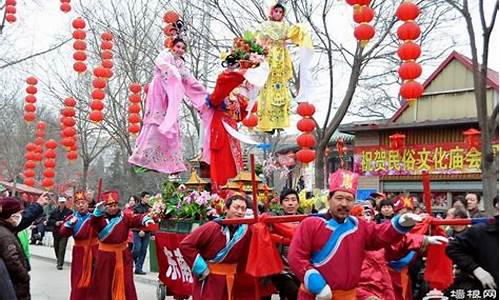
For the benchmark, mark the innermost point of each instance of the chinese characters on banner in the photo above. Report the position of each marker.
(449, 158)
(173, 269)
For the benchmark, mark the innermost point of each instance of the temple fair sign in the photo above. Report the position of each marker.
(446, 158)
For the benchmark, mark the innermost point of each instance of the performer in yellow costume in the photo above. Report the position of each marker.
(275, 98)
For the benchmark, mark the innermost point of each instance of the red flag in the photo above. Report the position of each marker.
(262, 246)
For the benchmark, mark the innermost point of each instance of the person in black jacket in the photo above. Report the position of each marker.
(56, 218)
(141, 236)
(476, 252)
(10, 248)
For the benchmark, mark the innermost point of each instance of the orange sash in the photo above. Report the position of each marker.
(87, 245)
(337, 294)
(228, 270)
(118, 284)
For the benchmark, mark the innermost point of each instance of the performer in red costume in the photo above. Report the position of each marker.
(113, 279)
(216, 254)
(85, 248)
(327, 252)
(226, 106)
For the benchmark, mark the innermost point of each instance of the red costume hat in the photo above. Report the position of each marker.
(110, 197)
(79, 196)
(403, 201)
(345, 181)
(9, 206)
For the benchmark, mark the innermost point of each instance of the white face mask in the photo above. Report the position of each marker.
(15, 219)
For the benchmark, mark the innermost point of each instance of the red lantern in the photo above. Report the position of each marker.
(47, 183)
(99, 83)
(96, 116)
(10, 2)
(98, 94)
(41, 125)
(69, 131)
(29, 117)
(306, 140)
(409, 51)
(411, 90)
(106, 36)
(10, 9)
(79, 67)
(69, 102)
(78, 23)
(106, 45)
(134, 128)
(79, 34)
(108, 64)
(68, 112)
(251, 121)
(364, 32)
(305, 155)
(79, 45)
(97, 105)
(29, 181)
(30, 147)
(30, 164)
(306, 125)
(40, 133)
(100, 72)
(410, 70)
(107, 55)
(49, 173)
(29, 173)
(30, 108)
(51, 144)
(50, 153)
(79, 56)
(472, 137)
(50, 163)
(10, 18)
(407, 11)
(65, 7)
(68, 122)
(305, 109)
(30, 99)
(135, 87)
(72, 155)
(30, 156)
(134, 98)
(31, 80)
(68, 142)
(408, 31)
(134, 108)
(31, 89)
(170, 17)
(364, 14)
(397, 141)
(134, 118)
(108, 73)
(38, 157)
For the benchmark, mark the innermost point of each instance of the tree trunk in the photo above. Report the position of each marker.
(319, 166)
(85, 175)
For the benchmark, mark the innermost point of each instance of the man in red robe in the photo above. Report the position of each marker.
(85, 248)
(113, 279)
(327, 252)
(216, 254)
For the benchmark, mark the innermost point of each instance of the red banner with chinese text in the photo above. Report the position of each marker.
(445, 158)
(174, 272)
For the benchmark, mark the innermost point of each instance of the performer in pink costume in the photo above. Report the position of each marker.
(158, 146)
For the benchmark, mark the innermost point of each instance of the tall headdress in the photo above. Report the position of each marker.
(345, 181)
(174, 28)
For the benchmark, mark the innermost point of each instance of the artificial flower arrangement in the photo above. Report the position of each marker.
(245, 51)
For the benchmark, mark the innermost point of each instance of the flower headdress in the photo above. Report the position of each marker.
(245, 49)
(174, 28)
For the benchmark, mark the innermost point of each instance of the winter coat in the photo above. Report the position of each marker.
(30, 214)
(15, 261)
(6, 288)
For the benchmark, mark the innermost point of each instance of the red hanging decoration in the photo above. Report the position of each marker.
(306, 140)
(409, 31)
(411, 90)
(30, 99)
(10, 11)
(251, 121)
(65, 7)
(134, 108)
(397, 141)
(409, 51)
(407, 11)
(50, 163)
(305, 155)
(306, 125)
(362, 15)
(79, 44)
(410, 70)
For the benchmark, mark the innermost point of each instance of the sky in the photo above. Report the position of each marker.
(42, 23)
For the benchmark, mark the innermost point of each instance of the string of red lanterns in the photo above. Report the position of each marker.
(68, 129)
(409, 51)
(362, 15)
(101, 73)
(34, 155)
(30, 99)
(134, 109)
(50, 164)
(252, 120)
(306, 140)
(80, 45)
(65, 6)
(10, 11)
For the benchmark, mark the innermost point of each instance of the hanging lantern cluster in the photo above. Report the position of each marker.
(101, 73)
(65, 6)
(251, 120)
(10, 11)
(50, 164)
(80, 45)
(409, 51)
(397, 141)
(472, 138)
(39, 140)
(68, 129)
(134, 108)
(30, 99)
(306, 140)
(107, 54)
(173, 25)
(362, 15)
(30, 164)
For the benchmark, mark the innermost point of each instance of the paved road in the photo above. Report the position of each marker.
(48, 283)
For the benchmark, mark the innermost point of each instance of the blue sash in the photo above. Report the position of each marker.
(399, 264)
(82, 219)
(238, 235)
(339, 232)
(109, 227)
